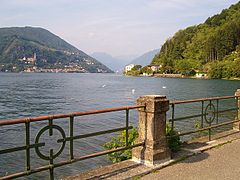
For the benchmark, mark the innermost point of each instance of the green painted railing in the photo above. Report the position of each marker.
(52, 125)
(209, 113)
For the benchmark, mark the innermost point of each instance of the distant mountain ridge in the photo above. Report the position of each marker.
(39, 35)
(118, 64)
(146, 58)
(18, 45)
(114, 63)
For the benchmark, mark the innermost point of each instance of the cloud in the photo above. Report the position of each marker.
(91, 34)
(116, 26)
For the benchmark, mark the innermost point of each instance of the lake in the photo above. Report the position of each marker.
(33, 94)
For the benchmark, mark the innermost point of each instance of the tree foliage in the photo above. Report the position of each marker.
(208, 43)
(136, 67)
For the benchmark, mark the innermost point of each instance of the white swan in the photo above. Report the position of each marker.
(133, 91)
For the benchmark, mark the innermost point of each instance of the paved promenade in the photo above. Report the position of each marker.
(221, 162)
(215, 160)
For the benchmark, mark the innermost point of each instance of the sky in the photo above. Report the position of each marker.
(116, 27)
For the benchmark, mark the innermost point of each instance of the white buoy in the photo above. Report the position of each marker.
(103, 85)
(133, 91)
(164, 87)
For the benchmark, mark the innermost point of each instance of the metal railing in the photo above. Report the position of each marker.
(209, 114)
(63, 140)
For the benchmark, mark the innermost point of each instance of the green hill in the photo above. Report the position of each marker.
(213, 47)
(19, 44)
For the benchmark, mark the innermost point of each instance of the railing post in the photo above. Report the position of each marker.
(236, 126)
(152, 130)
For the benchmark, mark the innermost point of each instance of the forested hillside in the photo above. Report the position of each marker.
(19, 45)
(212, 47)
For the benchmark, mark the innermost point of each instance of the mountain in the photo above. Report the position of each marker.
(146, 58)
(212, 47)
(118, 63)
(128, 57)
(114, 63)
(23, 48)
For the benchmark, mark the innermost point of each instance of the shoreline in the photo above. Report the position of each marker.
(182, 76)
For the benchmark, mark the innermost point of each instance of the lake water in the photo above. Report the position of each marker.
(24, 95)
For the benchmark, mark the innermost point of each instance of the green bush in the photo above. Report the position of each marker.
(197, 125)
(225, 69)
(174, 140)
(119, 141)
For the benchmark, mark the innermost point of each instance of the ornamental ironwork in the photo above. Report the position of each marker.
(52, 155)
(210, 113)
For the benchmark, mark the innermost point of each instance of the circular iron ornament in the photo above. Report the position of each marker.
(209, 114)
(41, 155)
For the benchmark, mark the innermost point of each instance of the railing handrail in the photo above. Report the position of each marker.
(66, 115)
(70, 138)
(73, 114)
(209, 113)
(201, 99)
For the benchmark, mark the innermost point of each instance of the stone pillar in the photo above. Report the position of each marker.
(236, 126)
(152, 130)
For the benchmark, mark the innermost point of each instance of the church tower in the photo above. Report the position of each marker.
(35, 56)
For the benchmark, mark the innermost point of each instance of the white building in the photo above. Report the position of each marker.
(129, 67)
(155, 67)
(30, 60)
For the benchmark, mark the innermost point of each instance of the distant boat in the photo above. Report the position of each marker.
(133, 91)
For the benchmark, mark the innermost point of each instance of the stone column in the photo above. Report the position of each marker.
(152, 130)
(236, 126)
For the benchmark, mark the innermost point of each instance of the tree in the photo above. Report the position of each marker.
(186, 67)
(136, 67)
(146, 69)
(204, 45)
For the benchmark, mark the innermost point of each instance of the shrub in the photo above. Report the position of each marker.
(119, 141)
(174, 140)
(197, 125)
